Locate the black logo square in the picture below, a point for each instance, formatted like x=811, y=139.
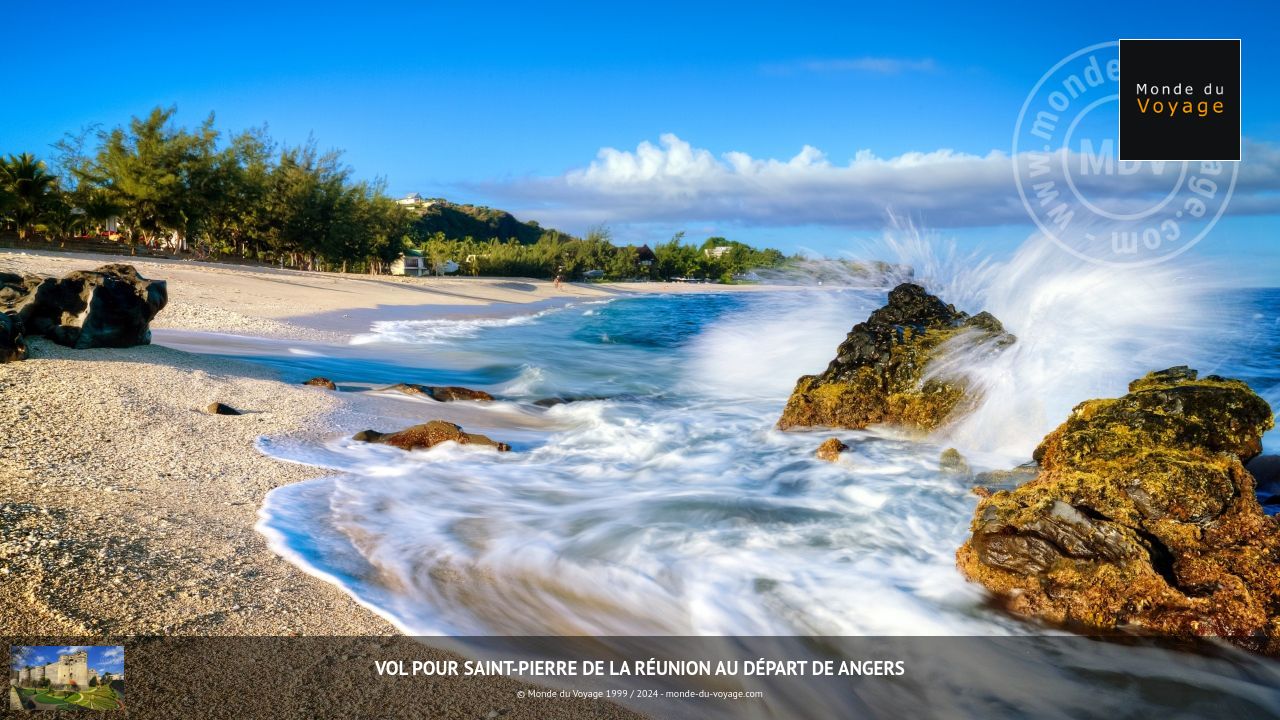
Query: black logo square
x=1179, y=99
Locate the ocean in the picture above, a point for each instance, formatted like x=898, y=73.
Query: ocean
x=661, y=501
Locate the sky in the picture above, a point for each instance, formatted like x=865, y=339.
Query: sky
x=714, y=118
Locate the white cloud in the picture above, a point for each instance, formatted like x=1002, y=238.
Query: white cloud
x=673, y=181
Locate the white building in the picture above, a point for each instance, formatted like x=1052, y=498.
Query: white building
x=414, y=200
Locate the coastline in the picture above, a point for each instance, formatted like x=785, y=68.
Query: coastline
x=129, y=511
x=311, y=305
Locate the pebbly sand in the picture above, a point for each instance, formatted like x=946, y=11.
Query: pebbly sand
x=126, y=510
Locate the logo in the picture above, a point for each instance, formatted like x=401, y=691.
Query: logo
x=1081, y=195
x=1180, y=100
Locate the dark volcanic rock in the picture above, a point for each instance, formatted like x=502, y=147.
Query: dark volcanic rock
x=427, y=435
x=1142, y=516
x=109, y=307
x=323, y=382
x=441, y=393
x=221, y=409
x=13, y=346
x=878, y=373
x=554, y=401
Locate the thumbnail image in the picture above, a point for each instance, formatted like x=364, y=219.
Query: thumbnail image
x=60, y=678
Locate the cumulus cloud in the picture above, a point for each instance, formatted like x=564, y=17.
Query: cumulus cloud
x=673, y=181
x=113, y=653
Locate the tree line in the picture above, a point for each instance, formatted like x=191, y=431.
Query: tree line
x=555, y=253
x=243, y=195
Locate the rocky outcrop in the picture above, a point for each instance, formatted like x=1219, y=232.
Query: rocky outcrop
x=429, y=434
x=218, y=408
x=1142, y=517
x=321, y=382
x=830, y=449
x=109, y=307
x=13, y=346
x=953, y=463
x=878, y=374
x=441, y=393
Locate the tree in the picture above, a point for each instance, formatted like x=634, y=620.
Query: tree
x=99, y=205
x=29, y=188
x=61, y=218
x=93, y=682
x=161, y=176
x=234, y=221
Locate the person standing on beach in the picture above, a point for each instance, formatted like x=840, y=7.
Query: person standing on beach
x=559, y=277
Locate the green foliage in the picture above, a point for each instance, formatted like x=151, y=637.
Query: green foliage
x=28, y=191
x=458, y=221
x=198, y=190
x=242, y=195
x=557, y=254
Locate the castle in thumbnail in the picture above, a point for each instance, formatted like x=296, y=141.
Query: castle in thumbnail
x=67, y=670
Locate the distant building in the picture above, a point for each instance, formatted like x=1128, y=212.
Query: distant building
x=717, y=252
x=67, y=670
x=414, y=200
x=645, y=256
x=410, y=262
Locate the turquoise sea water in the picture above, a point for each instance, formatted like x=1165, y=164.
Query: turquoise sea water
x=662, y=501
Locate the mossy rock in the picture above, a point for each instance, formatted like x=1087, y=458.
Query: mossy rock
x=427, y=435
x=878, y=374
x=1142, y=517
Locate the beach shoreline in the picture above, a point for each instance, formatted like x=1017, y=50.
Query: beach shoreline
x=254, y=300
x=128, y=510
x=113, y=467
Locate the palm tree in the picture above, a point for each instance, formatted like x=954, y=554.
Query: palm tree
x=29, y=185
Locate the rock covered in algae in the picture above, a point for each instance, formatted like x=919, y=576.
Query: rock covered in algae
x=429, y=434
x=878, y=374
x=1142, y=517
x=830, y=449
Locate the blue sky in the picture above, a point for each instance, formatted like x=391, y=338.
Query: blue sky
x=500, y=103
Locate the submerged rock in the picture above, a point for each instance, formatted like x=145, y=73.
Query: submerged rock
x=1142, y=516
x=222, y=409
x=830, y=449
x=441, y=393
x=109, y=307
x=427, y=435
x=13, y=346
x=952, y=462
x=323, y=382
x=878, y=374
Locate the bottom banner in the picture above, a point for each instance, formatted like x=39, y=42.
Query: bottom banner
x=625, y=677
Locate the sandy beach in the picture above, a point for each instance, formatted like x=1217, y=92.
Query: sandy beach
x=270, y=302
x=128, y=510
